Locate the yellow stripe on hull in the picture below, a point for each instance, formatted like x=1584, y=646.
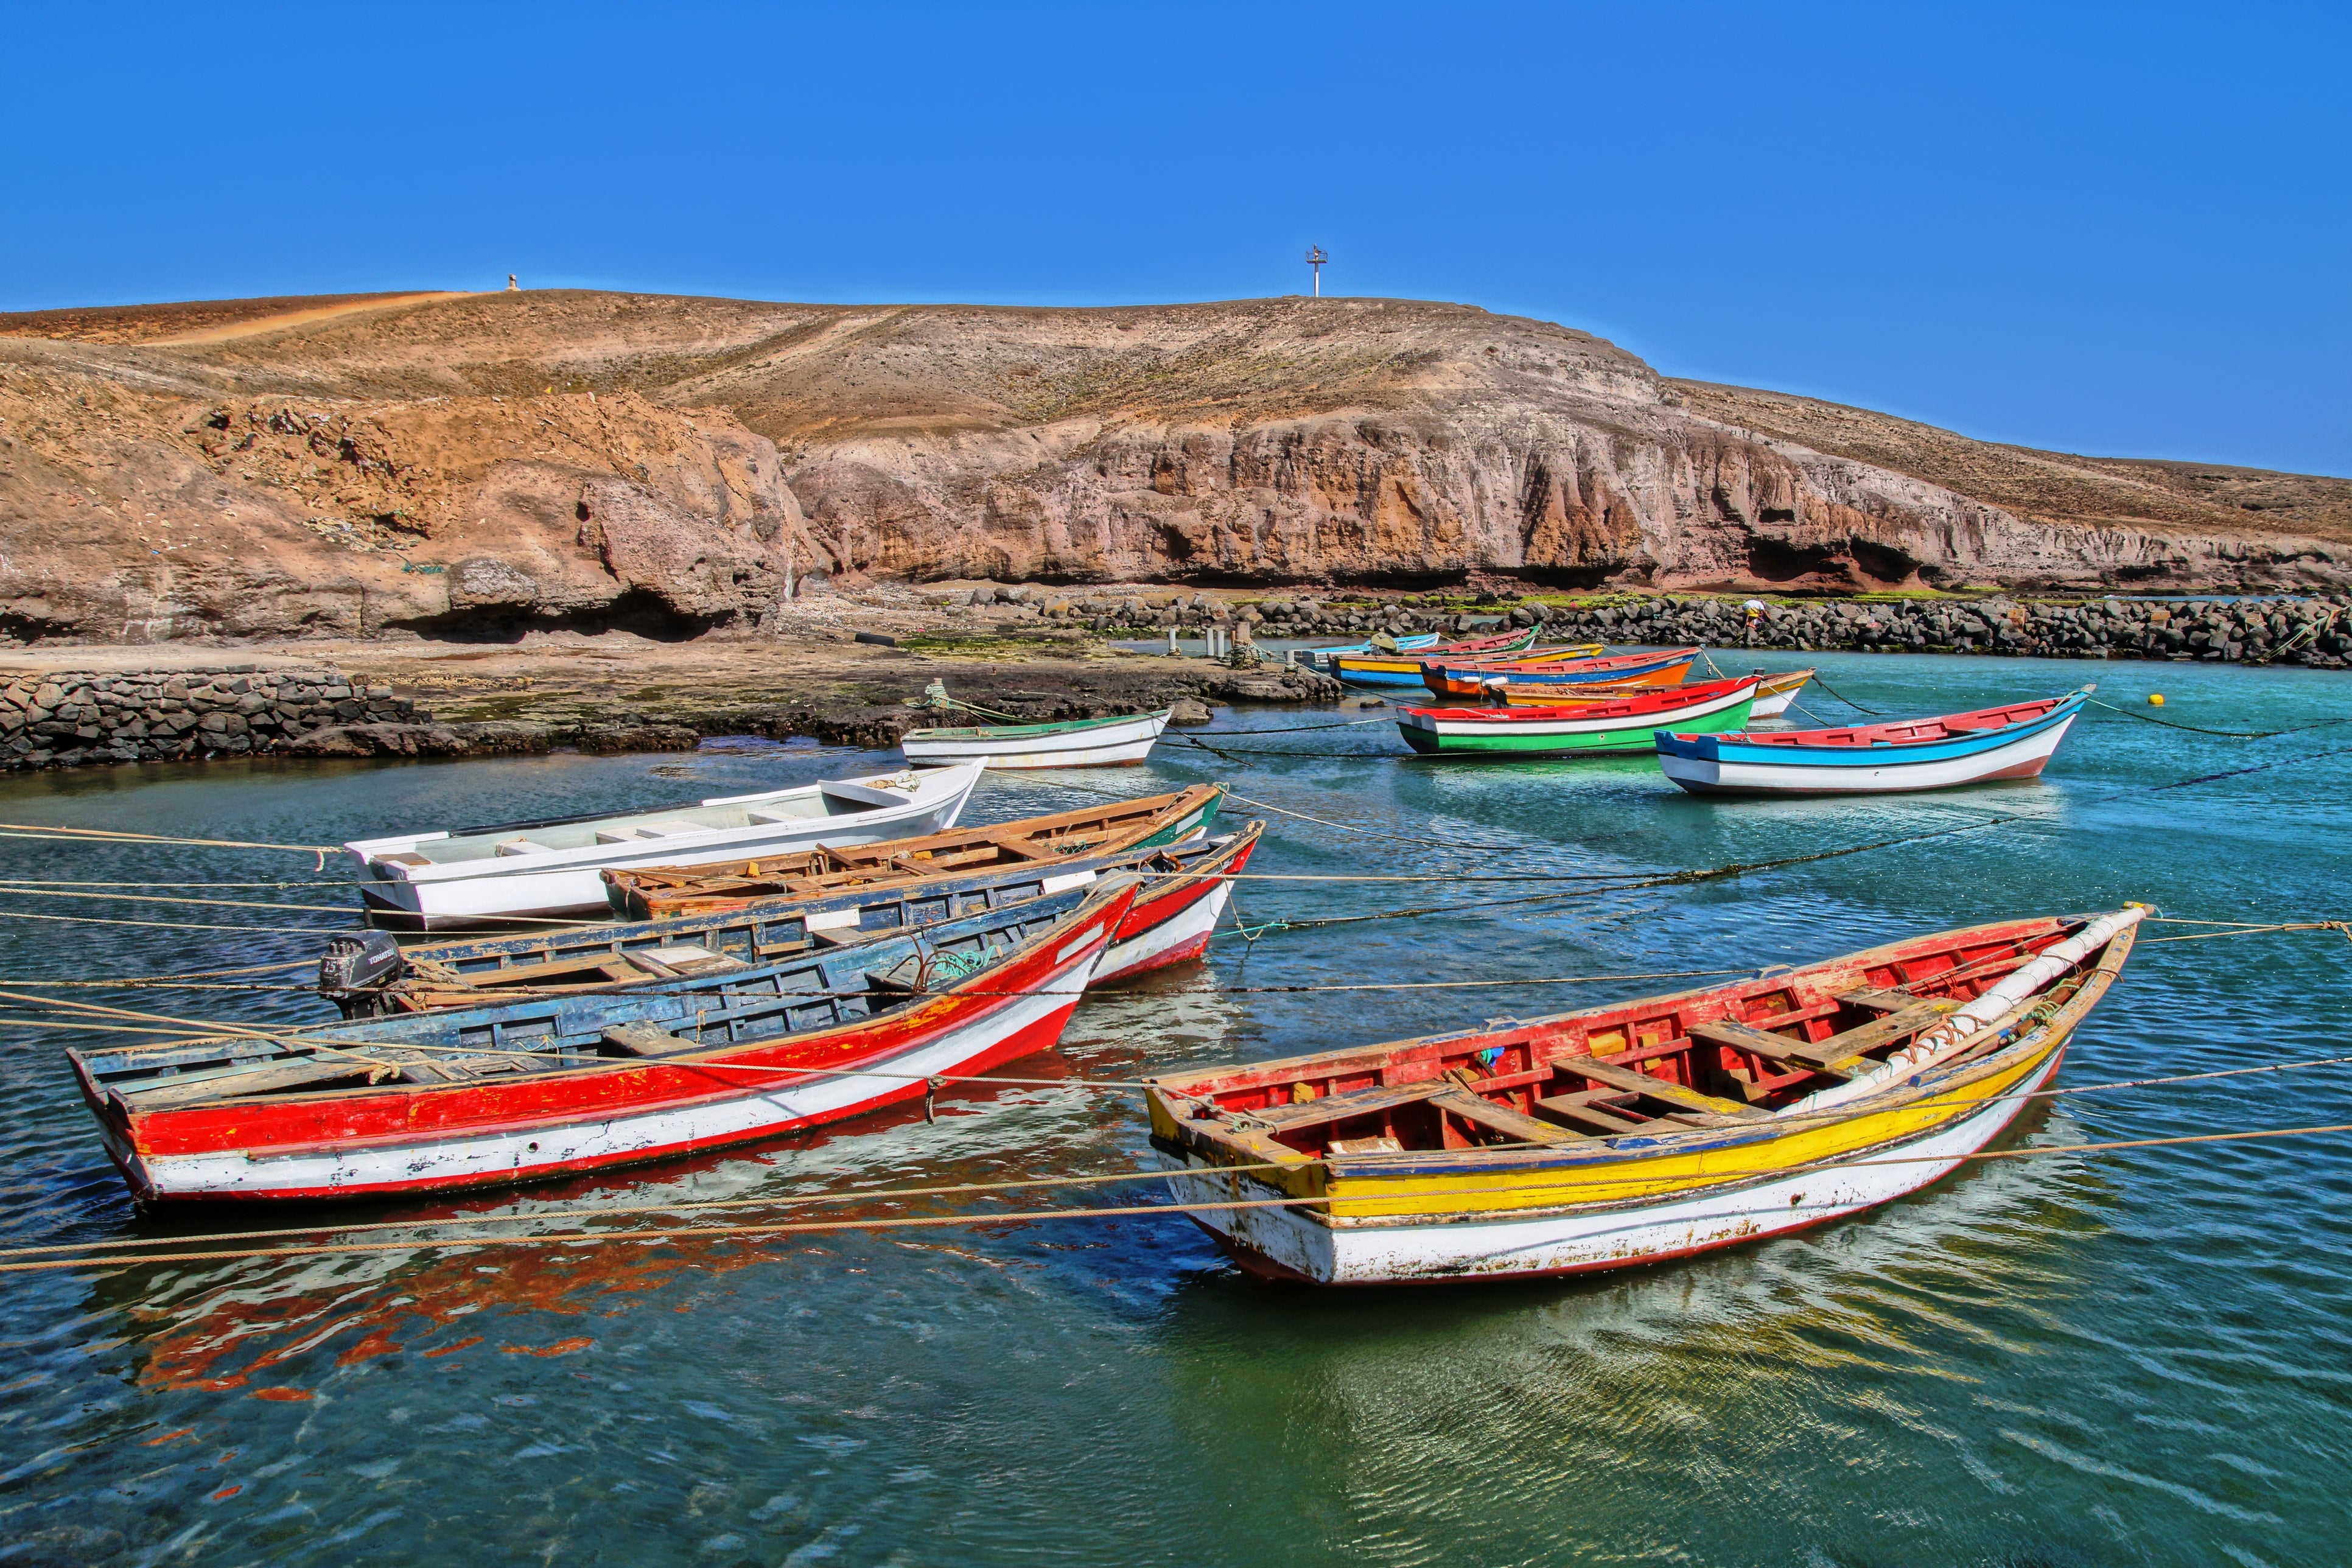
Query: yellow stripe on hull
x=1639, y=1179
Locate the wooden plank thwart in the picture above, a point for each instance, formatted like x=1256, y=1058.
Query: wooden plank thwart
x=1883, y=1031
x=1673, y=1094
x=1773, y=1047
x=1357, y=1103
x=1501, y=1118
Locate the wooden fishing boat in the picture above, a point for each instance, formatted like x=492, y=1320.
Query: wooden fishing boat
x=2012, y=742
x=454, y=878
x=517, y=1090
x=1636, y=1132
x=1640, y=669
x=665, y=892
x=1072, y=743
x=1773, y=693
x=1381, y=666
x=1623, y=724
x=1185, y=887
x=1321, y=658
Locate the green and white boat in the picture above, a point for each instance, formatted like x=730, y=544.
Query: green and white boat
x=1072, y=743
x=1629, y=724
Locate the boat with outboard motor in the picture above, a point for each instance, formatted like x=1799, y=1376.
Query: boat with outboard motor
x=553, y=1085
x=1185, y=889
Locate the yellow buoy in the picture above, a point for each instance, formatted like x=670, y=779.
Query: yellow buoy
x=2156, y=699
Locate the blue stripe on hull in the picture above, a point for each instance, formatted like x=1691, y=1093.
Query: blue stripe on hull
x=1728, y=749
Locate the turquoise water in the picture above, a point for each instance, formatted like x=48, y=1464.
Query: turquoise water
x=2140, y=1358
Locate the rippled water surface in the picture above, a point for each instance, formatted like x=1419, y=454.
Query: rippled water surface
x=2140, y=1357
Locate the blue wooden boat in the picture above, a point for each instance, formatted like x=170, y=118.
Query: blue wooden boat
x=524, y=1088
x=2011, y=742
x=370, y=974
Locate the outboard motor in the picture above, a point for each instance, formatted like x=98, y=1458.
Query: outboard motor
x=357, y=965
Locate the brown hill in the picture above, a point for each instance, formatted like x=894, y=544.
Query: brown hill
x=439, y=464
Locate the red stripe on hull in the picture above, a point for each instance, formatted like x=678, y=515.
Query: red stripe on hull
x=1038, y=1037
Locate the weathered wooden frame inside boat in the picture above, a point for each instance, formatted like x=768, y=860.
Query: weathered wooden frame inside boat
x=659, y=892
x=1580, y=1142
x=1185, y=889
x=487, y=1095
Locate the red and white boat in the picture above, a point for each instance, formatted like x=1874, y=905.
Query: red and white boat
x=492, y=1096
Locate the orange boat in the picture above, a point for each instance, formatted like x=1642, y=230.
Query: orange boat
x=1637, y=670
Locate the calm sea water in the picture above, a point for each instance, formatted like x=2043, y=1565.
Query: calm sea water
x=2144, y=1358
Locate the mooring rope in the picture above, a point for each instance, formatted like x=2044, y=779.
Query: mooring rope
x=909, y=1222
x=885, y=1194
x=1841, y=697
x=2227, y=735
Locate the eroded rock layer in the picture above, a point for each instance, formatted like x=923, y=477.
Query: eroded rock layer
x=482, y=464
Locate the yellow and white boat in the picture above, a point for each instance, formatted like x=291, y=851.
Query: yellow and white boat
x=1637, y=1131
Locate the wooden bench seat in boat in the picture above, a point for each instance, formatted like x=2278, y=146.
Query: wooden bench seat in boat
x=1500, y=1119
x=1625, y=1081
x=664, y=963
x=1909, y=1015
x=1881, y=998
x=1354, y=1103
x=1783, y=1048
x=643, y=1040
x=1593, y=1108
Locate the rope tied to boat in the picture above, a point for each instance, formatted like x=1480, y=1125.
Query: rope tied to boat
x=15, y=1265
x=109, y=835
x=1841, y=697
x=2227, y=735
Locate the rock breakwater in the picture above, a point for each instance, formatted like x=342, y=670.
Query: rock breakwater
x=2314, y=630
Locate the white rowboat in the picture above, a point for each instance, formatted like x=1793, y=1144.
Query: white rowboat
x=440, y=881
x=1071, y=743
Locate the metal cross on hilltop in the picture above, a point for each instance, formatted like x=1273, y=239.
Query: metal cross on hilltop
x=1316, y=257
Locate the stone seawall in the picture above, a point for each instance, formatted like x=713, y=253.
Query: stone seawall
x=59, y=719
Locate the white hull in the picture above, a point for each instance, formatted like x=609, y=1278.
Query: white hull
x=568, y=883
x=1772, y=707
x=1149, y=948
x=1386, y=1251
x=1104, y=747
x=558, y=1149
x=2022, y=757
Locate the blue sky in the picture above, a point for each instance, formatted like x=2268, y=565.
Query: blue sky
x=2115, y=230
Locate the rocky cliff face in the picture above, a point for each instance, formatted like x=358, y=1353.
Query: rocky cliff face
x=481, y=464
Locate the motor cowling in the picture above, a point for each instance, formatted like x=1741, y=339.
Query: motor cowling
x=358, y=962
